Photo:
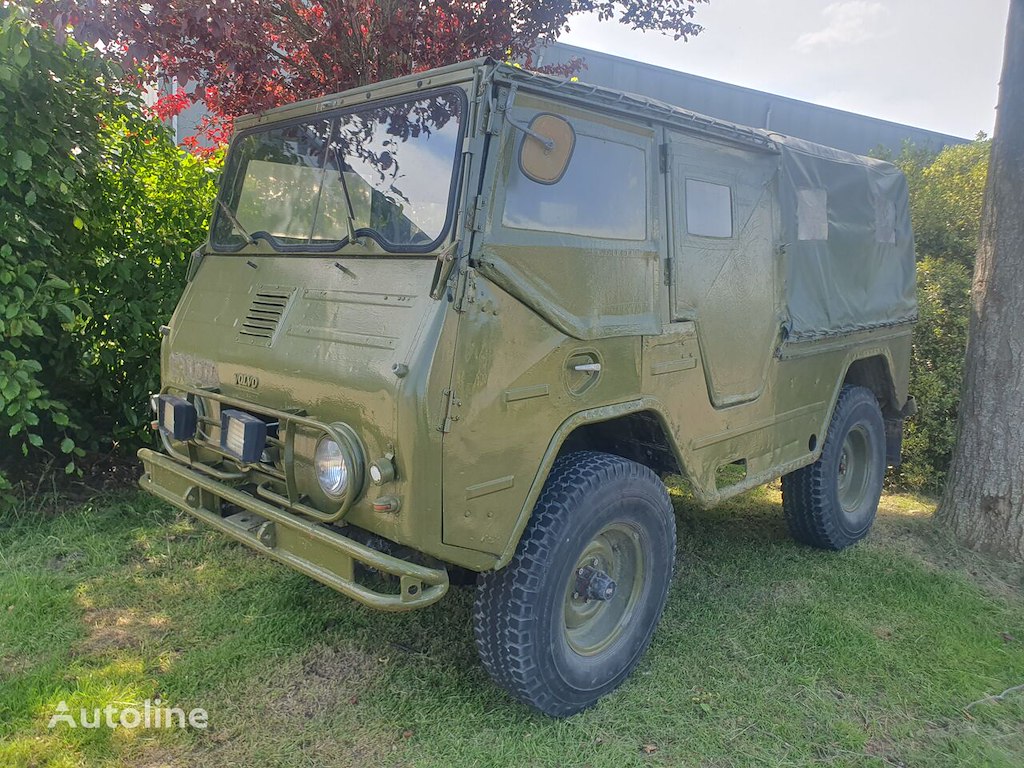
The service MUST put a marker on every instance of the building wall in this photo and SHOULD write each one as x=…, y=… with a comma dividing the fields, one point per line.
x=824, y=125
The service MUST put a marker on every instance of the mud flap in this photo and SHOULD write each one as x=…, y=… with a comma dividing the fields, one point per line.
x=893, y=442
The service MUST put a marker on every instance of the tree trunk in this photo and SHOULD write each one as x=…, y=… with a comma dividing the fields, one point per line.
x=983, y=503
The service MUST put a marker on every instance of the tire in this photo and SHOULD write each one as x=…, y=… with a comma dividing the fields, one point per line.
x=832, y=503
x=549, y=629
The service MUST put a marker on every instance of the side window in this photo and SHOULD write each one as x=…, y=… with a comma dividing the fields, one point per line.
x=885, y=221
x=812, y=214
x=603, y=193
x=708, y=209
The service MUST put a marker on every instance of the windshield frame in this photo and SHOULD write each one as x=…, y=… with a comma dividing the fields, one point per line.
x=332, y=246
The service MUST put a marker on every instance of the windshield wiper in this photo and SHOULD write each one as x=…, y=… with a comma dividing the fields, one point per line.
x=249, y=239
x=350, y=218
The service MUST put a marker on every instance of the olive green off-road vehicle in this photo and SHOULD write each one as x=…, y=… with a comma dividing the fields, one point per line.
x=463, y=321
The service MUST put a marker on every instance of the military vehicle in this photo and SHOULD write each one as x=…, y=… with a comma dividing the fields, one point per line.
x=466, y=320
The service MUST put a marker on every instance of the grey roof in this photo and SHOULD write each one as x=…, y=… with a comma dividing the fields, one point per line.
x=855, y=133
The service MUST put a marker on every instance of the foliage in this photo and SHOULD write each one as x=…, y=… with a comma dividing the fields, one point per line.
x=153, y=203
x=51, y=99
x=247, y=57
x=940, y=338
x=946, y=194
x=99, y=211
x=945, y=204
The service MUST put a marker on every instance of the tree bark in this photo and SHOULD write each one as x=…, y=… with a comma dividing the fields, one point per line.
x=983, y=503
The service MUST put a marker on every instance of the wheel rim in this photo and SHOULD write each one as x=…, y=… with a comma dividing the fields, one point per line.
x=593, y=624
x=854, y=469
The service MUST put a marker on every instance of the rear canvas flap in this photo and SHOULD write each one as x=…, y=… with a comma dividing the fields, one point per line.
x=849, y=247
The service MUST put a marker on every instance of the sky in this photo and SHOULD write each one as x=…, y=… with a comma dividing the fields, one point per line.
x=928, y=63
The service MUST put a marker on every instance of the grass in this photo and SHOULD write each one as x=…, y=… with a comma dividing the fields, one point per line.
x=768, y=654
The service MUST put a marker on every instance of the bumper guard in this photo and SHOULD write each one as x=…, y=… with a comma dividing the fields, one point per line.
x=304, y=546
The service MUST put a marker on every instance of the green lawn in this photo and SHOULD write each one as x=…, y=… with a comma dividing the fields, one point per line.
x=769, y=654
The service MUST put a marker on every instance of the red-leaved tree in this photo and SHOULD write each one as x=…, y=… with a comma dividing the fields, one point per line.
x=250, y=55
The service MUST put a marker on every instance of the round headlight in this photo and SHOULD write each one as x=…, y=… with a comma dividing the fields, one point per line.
x=332, y=470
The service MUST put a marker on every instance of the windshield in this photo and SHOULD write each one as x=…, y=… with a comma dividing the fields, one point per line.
x=387, y=172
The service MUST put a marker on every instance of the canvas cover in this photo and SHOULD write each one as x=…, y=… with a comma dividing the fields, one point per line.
x=843, y=220
x=849, y=249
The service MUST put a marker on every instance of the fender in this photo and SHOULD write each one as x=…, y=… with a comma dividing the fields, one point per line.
x=578, y=419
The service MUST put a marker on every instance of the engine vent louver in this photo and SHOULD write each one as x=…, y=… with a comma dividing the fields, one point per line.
x=259, y=326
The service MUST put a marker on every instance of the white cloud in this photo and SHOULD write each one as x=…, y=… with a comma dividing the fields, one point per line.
x=846, y=23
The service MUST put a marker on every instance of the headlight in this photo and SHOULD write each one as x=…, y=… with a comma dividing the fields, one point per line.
x=332, y=470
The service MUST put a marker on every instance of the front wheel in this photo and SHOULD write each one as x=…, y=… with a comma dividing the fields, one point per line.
x=832, y=503
x=567, y=620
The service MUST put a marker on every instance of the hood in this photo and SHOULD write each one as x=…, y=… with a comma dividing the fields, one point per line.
x=319, y=334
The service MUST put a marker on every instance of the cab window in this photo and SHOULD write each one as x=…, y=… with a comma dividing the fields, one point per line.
x=602, y=194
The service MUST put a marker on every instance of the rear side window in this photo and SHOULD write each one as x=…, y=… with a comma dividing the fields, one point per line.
x=708, y=209
x=603, y=193
x=812, y=214
x=885, y=221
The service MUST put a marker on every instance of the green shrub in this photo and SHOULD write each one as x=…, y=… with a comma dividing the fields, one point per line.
x=51, y=100
x=940, y=339
x=98, y=213
x=946, y=195
x=153, y=203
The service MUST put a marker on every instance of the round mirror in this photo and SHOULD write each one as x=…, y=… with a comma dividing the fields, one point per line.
x=547, y=148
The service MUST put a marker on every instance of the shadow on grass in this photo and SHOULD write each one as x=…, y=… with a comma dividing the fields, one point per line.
x=768, y=653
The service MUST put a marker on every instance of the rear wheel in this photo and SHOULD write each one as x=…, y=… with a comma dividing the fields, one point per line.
x=567, y=620
x=832, y=503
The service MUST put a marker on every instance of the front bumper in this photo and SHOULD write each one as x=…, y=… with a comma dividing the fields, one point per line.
x=304, y=546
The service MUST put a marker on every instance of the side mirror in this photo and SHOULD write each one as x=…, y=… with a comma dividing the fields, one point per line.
x=547, y=148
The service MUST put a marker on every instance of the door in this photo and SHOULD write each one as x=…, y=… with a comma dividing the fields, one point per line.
x=722, y=218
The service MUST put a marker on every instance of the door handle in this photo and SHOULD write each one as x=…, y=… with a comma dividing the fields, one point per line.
x=588, y=367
